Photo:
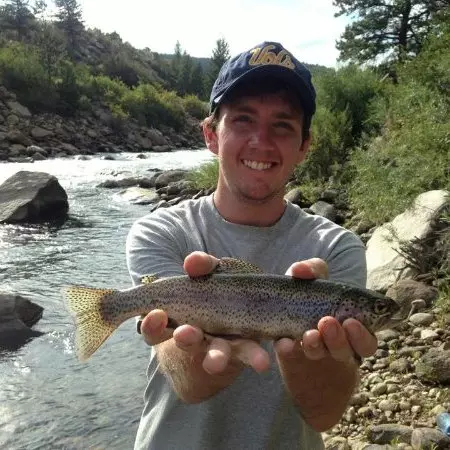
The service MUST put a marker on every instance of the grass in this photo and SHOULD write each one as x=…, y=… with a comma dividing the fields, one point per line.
x=206, y=176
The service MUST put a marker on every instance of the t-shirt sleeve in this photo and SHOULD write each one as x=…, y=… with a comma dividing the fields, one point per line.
x=347, y=261
x=155, y=246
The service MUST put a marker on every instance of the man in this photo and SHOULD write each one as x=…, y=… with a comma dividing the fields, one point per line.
x=241, y=394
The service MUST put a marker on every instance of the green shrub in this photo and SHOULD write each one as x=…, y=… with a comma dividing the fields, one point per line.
x=195, y=107
x=22, y=72
x=206, y=176
x=409, y=158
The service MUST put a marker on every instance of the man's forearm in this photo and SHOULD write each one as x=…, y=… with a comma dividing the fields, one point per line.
x=189, y=380
x=321, y=389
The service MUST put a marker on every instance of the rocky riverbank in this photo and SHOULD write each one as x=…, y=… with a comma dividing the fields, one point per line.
x=25, y=136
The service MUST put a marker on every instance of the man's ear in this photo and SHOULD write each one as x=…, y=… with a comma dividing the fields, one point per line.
x=210, y=138
x=304, y=148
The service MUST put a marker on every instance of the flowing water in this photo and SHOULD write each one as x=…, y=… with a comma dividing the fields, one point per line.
x=48, y=400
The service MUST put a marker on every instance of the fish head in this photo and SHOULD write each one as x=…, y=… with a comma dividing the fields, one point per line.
x=374, y=310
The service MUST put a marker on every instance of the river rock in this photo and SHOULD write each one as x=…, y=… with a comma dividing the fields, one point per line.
x=429, y=439
x=32, y=197
x=17, y=137
x=18, y=109
x=40, y=133
x=422, y=319
x=169, y=176
x=384, y=263
x=139, y=196
x=324, y=209
x=386, y=433
x=17, y=316
x=296, y=196
x=434, y=366
x=409, y=290
x=156, y=137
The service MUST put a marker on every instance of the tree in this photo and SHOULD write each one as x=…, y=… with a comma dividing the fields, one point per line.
x=16, y=16
x=385, y=30
x=220, y=54
x=69, y=20
x=197, y=81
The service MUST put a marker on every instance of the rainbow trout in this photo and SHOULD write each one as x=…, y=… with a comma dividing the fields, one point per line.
x=237, y=299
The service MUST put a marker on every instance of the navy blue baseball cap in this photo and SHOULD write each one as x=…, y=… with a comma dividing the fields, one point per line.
x=269, y=59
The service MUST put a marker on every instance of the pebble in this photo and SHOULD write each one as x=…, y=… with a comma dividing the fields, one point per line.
x=422, y=319
x=428, y=334
x=379, y=389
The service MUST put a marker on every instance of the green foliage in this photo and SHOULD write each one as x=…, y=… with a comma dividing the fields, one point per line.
x=16, y=16
x=195, y=107
x=206, y=176
x=409, y=158
x=385, y=29
x=344, y=114
x=220, y=54
x=68, y=89
x=22, y=72
x=69, y=20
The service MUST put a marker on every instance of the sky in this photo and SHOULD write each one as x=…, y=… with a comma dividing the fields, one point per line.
x=307, y=28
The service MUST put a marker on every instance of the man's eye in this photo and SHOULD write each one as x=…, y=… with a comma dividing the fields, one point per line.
x=242, y=119
x=284, y=126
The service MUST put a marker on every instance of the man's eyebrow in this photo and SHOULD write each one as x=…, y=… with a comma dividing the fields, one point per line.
x=280, y=115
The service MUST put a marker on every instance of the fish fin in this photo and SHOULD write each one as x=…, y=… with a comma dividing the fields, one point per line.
x=233, y=265
x=92, y=330
x=148, y=279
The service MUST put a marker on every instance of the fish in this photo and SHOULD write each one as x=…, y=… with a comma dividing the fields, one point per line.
x=236, y=300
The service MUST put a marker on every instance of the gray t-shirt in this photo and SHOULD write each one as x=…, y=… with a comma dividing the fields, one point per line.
x=255, y=412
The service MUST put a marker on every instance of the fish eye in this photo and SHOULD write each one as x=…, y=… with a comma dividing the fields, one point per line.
x=380, y=307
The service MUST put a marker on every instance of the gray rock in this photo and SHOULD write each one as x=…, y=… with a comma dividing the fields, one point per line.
x=18, y=109
x=17, y=316
x=296, y=196
x=32, y=197
x=434, y=366
x=17, y=137
x=384, y=263
x=12, y=120
x=169, y=176
x=400, y=365
x=69, y=148
x=338, y=443
x=388, y=405
x=428, y=335
x=139, y=196
x=161, y=148
x=387, y=335
x=386, y=433
x=379, y=389
x=429, y=439
x=409, y=290
x=156, y=137
x=422, y=319
x=40, y=133
x=324, y=209
x=360, y=399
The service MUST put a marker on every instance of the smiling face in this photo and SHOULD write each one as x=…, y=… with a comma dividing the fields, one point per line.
x=259, y=140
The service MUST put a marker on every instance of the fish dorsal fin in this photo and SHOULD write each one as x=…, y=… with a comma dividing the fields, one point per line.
x=148, y=279
x=233, y=265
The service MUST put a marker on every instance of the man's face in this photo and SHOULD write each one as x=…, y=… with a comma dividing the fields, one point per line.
x=258, y=141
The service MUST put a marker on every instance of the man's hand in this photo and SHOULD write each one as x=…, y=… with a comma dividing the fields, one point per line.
x=341, y=342
x=218, y=354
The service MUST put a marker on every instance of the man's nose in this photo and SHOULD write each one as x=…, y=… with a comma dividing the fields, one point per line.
x=261, y=138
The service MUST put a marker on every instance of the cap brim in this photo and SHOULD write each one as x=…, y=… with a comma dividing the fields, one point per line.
x=284, y=74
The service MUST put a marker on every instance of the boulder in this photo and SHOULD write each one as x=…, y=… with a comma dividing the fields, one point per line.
x=434, y=366
x=139, y=196
x=169, y=176
x=17, y=137
x=40, y=133
x=32, y=197
x=17, y=316
x=18, y=109
x=324, y=209
x=429, y=439
x=384, y=264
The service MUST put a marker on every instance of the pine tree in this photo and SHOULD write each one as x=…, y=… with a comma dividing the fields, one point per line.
x=185, y=80
x=69, y=20
x=197, y=81
x=220, y=54
x=385, y=29
x=16, y=16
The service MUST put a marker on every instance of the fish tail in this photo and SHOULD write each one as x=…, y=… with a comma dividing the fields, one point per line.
x=92, y=329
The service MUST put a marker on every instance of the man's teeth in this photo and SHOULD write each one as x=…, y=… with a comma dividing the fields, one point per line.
x=255, y=165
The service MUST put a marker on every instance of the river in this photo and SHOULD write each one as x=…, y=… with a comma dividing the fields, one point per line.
x=49, y=400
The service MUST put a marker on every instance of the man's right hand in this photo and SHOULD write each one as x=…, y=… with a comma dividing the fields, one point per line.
x=217, y=354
